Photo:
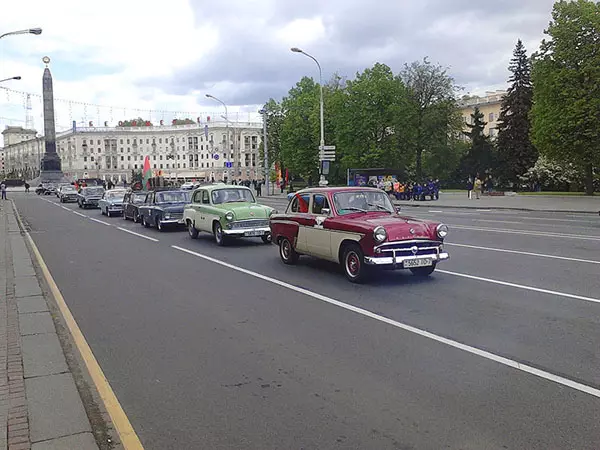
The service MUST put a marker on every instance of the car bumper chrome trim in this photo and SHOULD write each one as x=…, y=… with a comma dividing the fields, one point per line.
x=177, y=220
x=242, y=231
x=399, y=260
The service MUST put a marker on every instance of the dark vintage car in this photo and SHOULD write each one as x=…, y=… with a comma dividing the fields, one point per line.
x=131, y=203
x=67, y=194
x=163, y=208
x=45, y=189
x=89, y=196
x=358, y=228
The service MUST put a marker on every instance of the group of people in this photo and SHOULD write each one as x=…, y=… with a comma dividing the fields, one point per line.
x=410, y=190
x=479, y=185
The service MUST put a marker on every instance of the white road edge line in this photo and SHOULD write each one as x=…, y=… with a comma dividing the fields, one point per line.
x=484, y=210
x=137, y=234
x=522, y=286
x=101, y=221
x=78, y=213
x=541, y=255
x=496, y=221
x=455, y=344
x=435, y=211
x=527, y=232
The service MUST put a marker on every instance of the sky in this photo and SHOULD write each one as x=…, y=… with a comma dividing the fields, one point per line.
x=159, y=59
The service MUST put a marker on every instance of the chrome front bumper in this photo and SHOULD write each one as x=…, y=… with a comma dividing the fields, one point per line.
x=399, y=260
x=253, y=232
x=173, y=221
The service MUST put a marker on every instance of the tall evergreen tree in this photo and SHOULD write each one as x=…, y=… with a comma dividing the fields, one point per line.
x=515, y=150
x=480, y=156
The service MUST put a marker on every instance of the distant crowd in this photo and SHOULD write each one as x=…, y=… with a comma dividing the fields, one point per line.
x=411, y=190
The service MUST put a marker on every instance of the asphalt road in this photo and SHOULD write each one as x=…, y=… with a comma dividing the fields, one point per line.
x=227, y=348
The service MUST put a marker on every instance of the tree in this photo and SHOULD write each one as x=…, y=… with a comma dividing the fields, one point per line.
x=182, y=122
x=432, y=92
x=139, y=122
x=368, y=109
x=274, y=116
x=480, y=156
x=300, y=129
x=515, y=150
x=566, y=88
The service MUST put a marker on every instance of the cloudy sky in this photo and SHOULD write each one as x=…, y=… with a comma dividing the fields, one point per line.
x=164, y=56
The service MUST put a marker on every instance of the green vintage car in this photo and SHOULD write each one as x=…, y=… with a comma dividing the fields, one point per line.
x=227, y=211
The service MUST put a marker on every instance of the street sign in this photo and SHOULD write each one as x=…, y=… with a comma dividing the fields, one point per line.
x=326, y=153
x=228, y=164
x=215, y=156
x=326, y=147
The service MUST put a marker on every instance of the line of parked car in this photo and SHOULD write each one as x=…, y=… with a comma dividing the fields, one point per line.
x=356, y=227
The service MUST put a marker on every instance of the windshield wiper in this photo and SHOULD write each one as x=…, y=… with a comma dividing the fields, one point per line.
x=352, y=208
x=379, y=206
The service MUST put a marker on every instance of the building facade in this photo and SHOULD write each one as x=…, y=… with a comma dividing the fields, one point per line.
x=489, y=104
x=203, y=152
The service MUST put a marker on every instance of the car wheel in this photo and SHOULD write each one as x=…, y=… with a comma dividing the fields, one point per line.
x=108, y=213
x=423, y=271
x=218, y=233
x=145, y=222
x=159, y=225
x=192, y=230
x=136, y=218
x=353, y=264
x=267, y=238
x=124, y=215
x=79, y=204
x=287, y=253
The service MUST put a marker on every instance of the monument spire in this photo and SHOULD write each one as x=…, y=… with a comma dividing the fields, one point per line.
x=51, y=164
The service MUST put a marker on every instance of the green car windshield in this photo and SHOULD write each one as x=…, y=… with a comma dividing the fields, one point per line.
x=232, y=195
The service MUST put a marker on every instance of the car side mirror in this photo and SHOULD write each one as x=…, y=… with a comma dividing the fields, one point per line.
x=325, y=211
x=398, y=209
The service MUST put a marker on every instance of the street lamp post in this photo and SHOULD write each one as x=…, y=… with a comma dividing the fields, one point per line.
x=322, y=142
x=11, y=78
x=27, y=31
x=263, y=111
x=228, y=150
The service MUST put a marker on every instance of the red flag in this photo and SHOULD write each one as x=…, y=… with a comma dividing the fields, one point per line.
x=147, y=173
x=287, y=176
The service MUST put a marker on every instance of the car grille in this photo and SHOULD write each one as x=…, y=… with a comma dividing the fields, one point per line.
x=253, y=223
x=175, y=215
x=405, y=248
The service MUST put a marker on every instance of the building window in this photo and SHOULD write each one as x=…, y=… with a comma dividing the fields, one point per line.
x=121, y=141
x=184, y=165
x=128, y=141
x=135, y=166
x=160, y=140
x=492, y=132
x=122, y=158
x=491, y=117
x=161, y=166
x=160, y=157
x=147, y=141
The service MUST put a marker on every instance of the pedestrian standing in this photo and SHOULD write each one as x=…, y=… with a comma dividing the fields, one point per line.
x=470, y=188
x=3, y=190
x=27, y=187
x=259, y=188
x=478, y=187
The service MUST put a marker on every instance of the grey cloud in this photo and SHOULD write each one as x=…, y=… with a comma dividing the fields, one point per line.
x=249, y=65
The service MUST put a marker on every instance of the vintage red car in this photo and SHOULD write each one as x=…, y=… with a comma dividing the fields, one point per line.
x=359, y=228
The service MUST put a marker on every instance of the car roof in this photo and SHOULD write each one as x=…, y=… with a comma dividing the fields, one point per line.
x=334, y=190
x=212, y=187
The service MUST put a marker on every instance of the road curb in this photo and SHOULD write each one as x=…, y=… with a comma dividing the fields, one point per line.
x=499, y=208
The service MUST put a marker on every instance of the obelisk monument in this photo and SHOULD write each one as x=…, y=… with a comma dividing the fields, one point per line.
x=50, y=164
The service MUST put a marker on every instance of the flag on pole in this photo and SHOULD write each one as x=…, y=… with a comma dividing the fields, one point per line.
x=147, y=173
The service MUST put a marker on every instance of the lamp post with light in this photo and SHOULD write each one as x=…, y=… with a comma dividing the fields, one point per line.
x=11, y=78
x=228, y=151
x=322, y=141
x=263, y=111
x=36, y=31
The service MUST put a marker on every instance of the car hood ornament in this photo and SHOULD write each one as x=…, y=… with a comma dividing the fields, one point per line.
x=412, y=231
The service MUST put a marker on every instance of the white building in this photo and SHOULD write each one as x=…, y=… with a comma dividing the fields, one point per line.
x=179, y=151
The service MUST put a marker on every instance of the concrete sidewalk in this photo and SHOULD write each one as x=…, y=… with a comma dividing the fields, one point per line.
x=40, y=405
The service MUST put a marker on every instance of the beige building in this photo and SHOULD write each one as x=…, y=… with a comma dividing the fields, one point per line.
x=112, y=153
x=489, y=105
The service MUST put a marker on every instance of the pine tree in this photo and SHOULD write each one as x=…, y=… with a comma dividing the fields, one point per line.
x=516, y=152
x=480, y=156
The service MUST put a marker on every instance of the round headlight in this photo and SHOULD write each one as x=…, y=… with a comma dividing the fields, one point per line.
x=379, y=234
x=167, y=215
x=229, y=216
x=442, y=230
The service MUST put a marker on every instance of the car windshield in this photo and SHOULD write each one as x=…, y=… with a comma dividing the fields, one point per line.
x=232, y=195
x=362, y=201
x=172, y=197
x=139, y=198
x=93, y=191
x=68, y=189
x=115, y=195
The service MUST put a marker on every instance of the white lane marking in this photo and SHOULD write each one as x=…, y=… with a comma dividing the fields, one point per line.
x=137, y=234
x=530, y=233
x=78, y=213
x=541, y=255
x=455, y=344
x=101, y=221
x=521, y=286
x=495, y=221
x=484, y=210
x=65, y=208
x=435, y=211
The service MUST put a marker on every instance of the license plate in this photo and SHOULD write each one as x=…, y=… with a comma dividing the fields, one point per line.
x=421, y=262
x=253, y=233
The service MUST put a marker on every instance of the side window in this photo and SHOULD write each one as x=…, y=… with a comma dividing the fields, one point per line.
x=205, y=198
x=300, y=203
x=126, y=198
x=319, y=202
x=197, y=197
x=149, y=198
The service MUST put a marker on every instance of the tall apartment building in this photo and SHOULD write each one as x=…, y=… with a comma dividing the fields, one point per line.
x=489, y=105
x=202, y=152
